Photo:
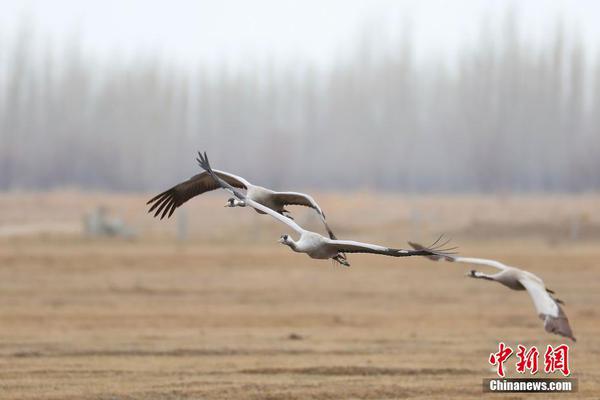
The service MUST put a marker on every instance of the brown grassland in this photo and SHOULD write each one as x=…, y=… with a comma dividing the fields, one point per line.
x=229, y=313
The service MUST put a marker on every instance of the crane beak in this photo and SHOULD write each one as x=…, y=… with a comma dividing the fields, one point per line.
x=280, y=240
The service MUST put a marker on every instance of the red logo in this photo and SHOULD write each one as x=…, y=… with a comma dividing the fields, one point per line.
x=528, y=359
x=555, y=359
x=498, y=358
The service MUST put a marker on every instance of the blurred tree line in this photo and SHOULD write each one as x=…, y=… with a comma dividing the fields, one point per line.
x=507, y=115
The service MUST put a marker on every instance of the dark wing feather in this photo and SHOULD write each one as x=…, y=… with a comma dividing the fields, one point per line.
x=205, y=165
x=348, y=246
x=558, y=325
x=386, y=252
x=548, y=309
x=434, y=257
x=169, y=200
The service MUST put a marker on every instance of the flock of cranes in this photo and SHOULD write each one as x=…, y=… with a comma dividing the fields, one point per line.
x=266, y=201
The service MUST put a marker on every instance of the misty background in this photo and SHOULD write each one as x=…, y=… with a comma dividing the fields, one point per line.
x=501, y=112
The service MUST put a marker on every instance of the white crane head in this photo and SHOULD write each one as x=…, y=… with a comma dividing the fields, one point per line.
x=286, y=239
x=233, y=202
x=478, y=275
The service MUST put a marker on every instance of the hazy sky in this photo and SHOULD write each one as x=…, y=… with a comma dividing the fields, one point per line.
x=286, y=31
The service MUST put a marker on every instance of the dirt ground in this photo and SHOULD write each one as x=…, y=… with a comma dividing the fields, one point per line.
x=231, y=314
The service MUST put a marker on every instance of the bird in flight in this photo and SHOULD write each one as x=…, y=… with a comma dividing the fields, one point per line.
x=547, y=306
x=165, y=203
x=312, y=243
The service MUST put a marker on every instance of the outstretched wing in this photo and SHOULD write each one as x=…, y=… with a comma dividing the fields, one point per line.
x=467, y=260
x=418, y=246
x=204, y=163
x=349, y=246
x=298, y=199
x=169, y=200
x=549, y=311
x=302, y=199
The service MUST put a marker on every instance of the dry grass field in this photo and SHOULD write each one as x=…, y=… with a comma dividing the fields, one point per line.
x=231, y=314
